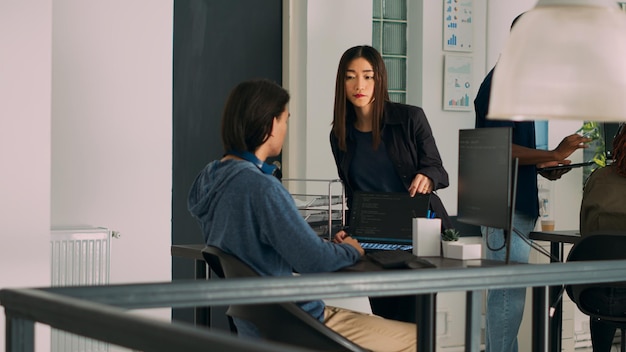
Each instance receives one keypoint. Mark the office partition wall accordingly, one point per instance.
(217, 44)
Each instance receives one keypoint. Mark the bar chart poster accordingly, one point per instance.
(458, 30)
(457, 83)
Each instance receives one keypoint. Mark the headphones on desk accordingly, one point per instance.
(268, 169)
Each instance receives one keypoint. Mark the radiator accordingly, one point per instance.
(80, 256)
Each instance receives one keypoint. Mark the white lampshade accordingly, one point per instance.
(565, 59)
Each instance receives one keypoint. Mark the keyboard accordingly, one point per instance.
(385, 246)
(398, 259)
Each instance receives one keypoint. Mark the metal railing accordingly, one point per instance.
(100, 312)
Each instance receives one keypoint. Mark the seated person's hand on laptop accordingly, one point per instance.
(344, 237)
(421, 184)
(554, 174)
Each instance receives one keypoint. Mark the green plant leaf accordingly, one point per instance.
(600, 159)
(450, 235)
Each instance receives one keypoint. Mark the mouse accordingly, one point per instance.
(419, 264)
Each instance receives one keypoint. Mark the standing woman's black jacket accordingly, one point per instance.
(411, 147)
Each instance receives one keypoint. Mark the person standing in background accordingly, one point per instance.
(379, 145)
(505, 307)
(382, 146)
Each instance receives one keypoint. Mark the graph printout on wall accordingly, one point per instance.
(457, 83)
(457, 25)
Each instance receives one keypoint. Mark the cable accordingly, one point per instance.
(535, 246)
(556, 301)
(523, 238)
(487, 234)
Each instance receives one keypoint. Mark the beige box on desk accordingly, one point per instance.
(426, 237)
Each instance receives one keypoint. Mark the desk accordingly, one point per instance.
(557, 241)
(425, 303)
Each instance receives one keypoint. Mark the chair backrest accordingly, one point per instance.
(279, 322)
(598, 246)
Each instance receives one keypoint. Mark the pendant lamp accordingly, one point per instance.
(564, 59)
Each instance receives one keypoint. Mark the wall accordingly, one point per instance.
(426, 71)
(312, 50)
(111, 128)
(85, 133)
(25, 45)
(352, 21)
(294, 79)
(209, 35)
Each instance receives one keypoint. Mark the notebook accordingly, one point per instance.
(384, 221)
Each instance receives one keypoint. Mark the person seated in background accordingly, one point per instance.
(603, 208)
(245, 211)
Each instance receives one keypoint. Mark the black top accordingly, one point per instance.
(372, 168)
(411, 148)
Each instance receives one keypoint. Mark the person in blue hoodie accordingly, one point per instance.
(245, 211)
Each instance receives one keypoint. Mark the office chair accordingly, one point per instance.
(279, 322)
(600, 246)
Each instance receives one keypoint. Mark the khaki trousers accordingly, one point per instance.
(372, 332)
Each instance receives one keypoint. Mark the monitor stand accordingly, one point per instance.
(508, 232)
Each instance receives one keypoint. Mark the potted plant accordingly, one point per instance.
(448, 236)
(455, 249)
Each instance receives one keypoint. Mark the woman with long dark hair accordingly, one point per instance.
(382, 146)
(379, 145)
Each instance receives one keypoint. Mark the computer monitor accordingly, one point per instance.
(487, 176)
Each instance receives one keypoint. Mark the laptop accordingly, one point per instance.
(384, 221)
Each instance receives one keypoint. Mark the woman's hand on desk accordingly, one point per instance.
(344, 237)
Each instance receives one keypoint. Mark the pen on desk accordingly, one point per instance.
(428, 214)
